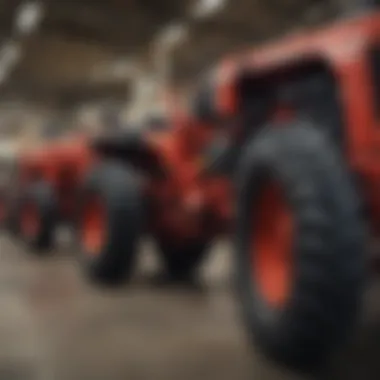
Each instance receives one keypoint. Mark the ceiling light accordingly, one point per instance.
(29, 16)
(206, 8)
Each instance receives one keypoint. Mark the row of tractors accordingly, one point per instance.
(280, 149)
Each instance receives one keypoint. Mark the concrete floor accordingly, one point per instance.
(54, 326)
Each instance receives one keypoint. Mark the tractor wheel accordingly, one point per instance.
(37, 217)
(300, 246)
(181, 260)
(110, 223)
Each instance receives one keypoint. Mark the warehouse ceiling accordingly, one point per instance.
(241, 24)
(62, 60)
(73, 54)
(117, 24)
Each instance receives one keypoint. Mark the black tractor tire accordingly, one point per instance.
(328, 263)
(41, 197)
(117, 190)
(181, 259)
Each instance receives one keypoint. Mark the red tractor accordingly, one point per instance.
(281, 149)
(44, 188)
(43, 185)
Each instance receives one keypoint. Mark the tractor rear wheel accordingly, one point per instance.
(300, 246)
(110, 223)
(37, 216)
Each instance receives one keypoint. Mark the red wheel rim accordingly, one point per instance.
(93, 226)
(272, 246)
(30, 220)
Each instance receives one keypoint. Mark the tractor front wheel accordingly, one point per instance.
(300, 245)
(110, 223)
